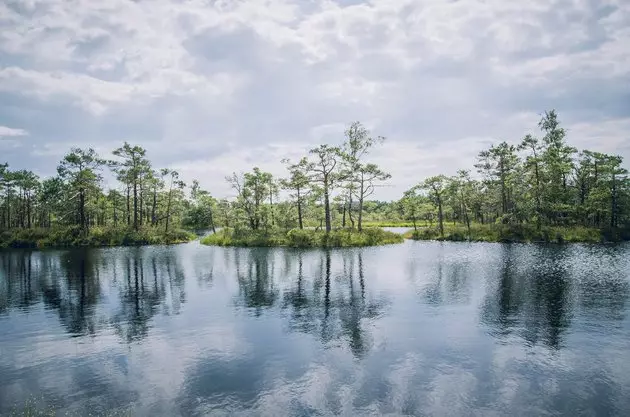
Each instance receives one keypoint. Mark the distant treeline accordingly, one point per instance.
(539, 181)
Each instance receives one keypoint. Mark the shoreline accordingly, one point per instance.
(520, 234)
(304, 238)
(72, 237)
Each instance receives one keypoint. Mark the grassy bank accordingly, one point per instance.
(394, 223)
(518, 233)
(73, 236)
(303, 238)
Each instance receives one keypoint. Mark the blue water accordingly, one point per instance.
(421, 328)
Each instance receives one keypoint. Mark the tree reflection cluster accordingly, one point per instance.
(538, 290)
(139, 285)
(322, 293)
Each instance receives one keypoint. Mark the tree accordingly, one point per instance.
(133, 168)
(201, 214)
(499, 165)
(80, 169)
(367, 175)
(297, 184)
(533, 167)
(175, 184)
(323, 174)
(558, 163)
(252, 190)
(436, 187)
(355, 148)
(462, 191)
(410, 203)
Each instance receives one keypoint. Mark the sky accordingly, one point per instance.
(211, 87)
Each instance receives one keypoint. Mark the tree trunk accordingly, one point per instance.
(327, 206)
(613, 202)
(153, 207)
(128, 205)
(440, 216)
(299, 207)
(82, 221)
(212, 221)
(135, 205)
(350, 211)
(28, 211)
(168, 207)
(271, 206)
(360, 220)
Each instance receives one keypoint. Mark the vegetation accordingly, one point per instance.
(73, 208)
(536, 189)
(329, 179)
(539, 189)
(512, 233)
(303, 238)
(96, 236)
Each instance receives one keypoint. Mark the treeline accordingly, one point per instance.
(145, 198)
(540, 181)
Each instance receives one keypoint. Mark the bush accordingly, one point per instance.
(96, 236)
(308, 238)
(512, 233)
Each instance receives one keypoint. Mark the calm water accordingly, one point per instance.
(435, 329)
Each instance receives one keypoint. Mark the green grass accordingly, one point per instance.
(97, 236)
(394, 223)
(511, 233)
(303, 238)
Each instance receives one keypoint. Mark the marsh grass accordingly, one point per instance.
(510, 233)
(97, 236)
(307, 238)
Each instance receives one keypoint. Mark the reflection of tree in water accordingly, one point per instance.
(64, 281)
(604, 286)
(18, 284)
(76, 299)
(446, 282)
(256, 279)
(531, 300)
(334, 308)
(145, 288)
(71, 283)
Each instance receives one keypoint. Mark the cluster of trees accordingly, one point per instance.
(328, 177)
(145, 197)
(542, 181)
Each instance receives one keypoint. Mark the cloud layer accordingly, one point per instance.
(209, 87)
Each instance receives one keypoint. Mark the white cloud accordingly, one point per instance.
(207, 86)
(7, 132)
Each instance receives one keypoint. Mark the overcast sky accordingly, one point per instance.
(210, 87)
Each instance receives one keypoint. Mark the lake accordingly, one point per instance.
(421, 328)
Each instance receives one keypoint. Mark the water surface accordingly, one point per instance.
(421, 328)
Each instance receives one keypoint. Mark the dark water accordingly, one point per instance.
(435, 329)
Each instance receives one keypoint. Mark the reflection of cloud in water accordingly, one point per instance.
(465, 329)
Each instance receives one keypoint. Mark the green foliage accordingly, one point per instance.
(97, 236)
(303, 238)
(512, 233)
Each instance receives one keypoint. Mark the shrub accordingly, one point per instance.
(510, 233)
(307, 238)
(96, 236)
